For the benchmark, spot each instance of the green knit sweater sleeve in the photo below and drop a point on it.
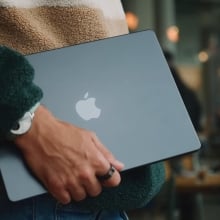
(18, 93)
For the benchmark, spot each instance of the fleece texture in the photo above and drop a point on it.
(17, 91)
(30, 26)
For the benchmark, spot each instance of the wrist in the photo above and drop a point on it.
(24, 124)
(41, 124)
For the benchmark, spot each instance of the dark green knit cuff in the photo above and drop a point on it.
(17, 91)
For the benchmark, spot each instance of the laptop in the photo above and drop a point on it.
(122, 89)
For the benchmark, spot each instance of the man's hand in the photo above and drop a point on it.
(66, 159)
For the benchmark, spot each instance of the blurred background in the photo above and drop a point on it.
(189, 33)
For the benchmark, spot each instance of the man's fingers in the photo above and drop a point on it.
(77, 193)
(110, 177)
(109, 156)
(114, 179)
(93, 186)
(63, 197)
(59, 192)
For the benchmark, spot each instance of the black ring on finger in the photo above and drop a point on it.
(108, 175)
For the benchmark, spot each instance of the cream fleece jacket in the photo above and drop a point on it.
(34, 25)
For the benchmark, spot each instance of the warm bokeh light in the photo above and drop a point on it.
(132, 20)
(203, 56)
(172, 33)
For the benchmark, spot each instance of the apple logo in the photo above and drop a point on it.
(87, 109)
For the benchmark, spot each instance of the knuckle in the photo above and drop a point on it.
(89, 134)
(70, 184)
(92, 133)
(86, 135)
(57, 187)
(85, 175)
(55, 183)
(101, 165)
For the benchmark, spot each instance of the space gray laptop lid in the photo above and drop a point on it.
(122, 89)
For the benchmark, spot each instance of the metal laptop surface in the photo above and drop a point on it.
(119, 87)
